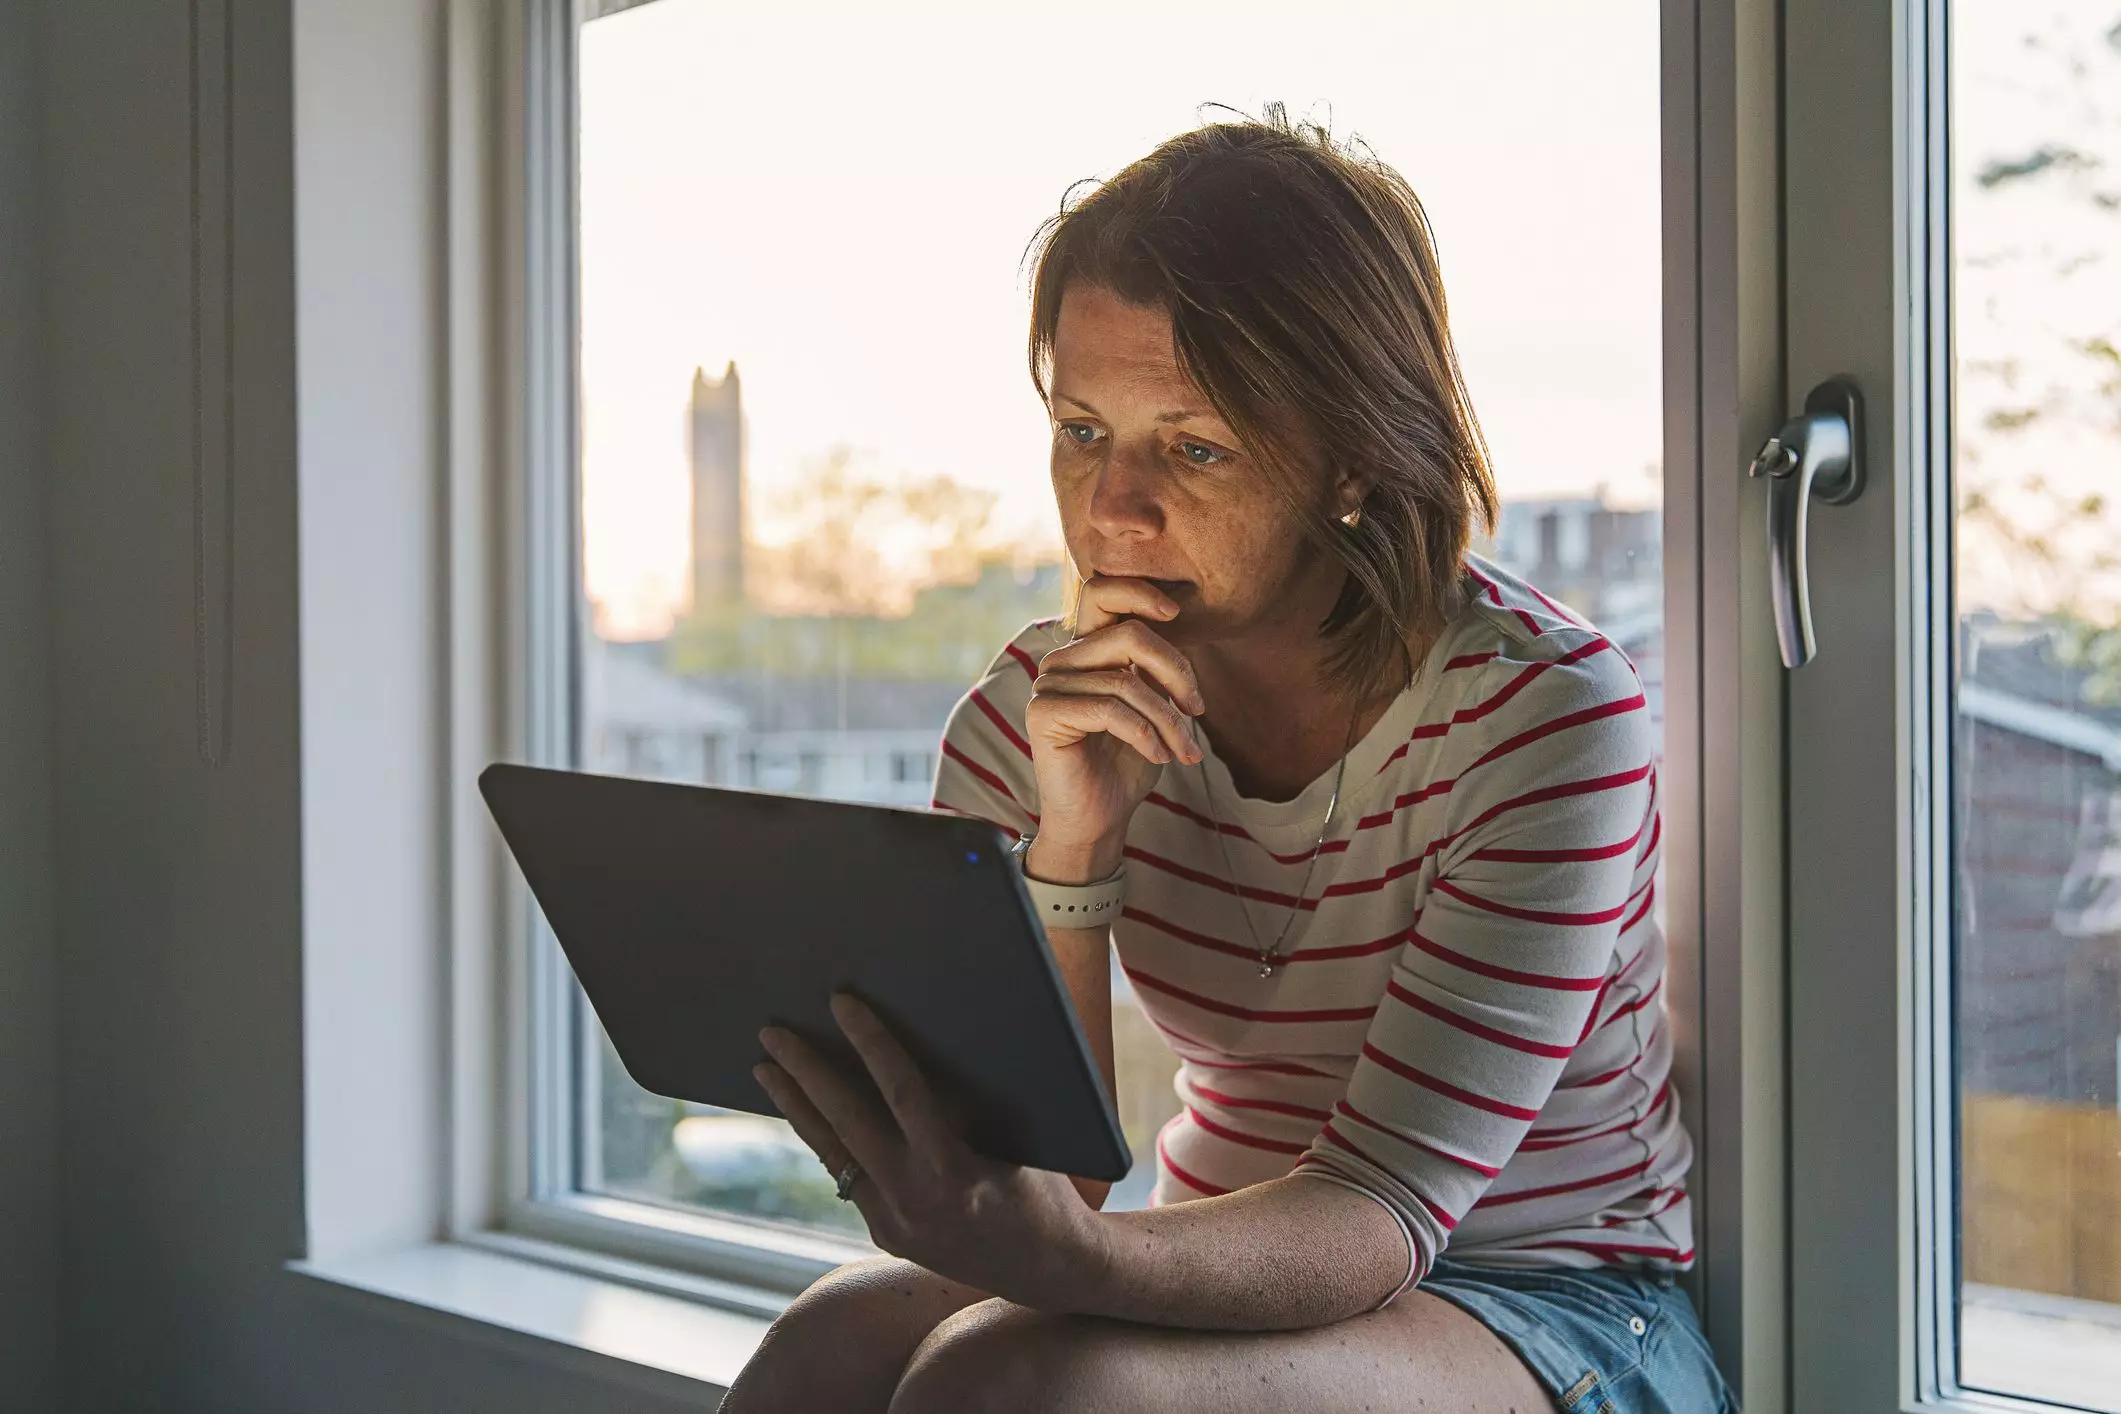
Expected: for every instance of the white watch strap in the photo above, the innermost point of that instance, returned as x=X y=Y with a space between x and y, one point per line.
x=1073 y=905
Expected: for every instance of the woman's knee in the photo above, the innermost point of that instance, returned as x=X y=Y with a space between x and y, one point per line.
x=843 y=1342
x=1000 y=1358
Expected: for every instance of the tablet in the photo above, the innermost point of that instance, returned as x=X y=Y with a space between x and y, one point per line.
x=694 y=915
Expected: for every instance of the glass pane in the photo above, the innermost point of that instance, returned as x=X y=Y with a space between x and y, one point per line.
x=815 y=494
x=2036 y=193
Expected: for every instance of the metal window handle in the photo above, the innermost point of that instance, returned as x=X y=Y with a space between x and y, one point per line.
x=1818 y=453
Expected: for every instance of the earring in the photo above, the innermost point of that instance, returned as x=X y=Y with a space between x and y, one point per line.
x=1353 y=519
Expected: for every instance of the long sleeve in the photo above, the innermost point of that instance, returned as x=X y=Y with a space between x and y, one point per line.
x=1546 y=852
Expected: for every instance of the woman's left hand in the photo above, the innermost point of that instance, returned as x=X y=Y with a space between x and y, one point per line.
x=1024 y=1234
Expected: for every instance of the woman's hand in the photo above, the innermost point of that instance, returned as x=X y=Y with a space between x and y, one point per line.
x=1019 y=1233
x=1107 y=713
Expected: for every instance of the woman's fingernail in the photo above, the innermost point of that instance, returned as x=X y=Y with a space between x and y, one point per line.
x=771 y=1040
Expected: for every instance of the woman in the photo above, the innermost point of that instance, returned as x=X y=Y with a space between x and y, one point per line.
x=1385 y=824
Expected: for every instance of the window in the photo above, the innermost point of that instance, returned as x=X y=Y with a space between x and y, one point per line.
x=2035 y=192
x=1955 y=980
x=813 y=497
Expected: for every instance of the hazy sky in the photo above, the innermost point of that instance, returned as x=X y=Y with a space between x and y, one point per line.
x=838 y=197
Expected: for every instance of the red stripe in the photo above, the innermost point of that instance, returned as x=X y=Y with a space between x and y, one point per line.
x=1238 y=1136
x=1576 y=1134
x=1270 y=1067
x=1656 y=824
x=1617 y=1249
x=1531 y=915
x=1173 y=1034
x=1473 y=1028
x=1239 y=1102
x=1443 y=1219
x=1540 y=1146
x=1463 y=1162
x=1198 y=1185
x=1591 y=786
x=1620 y=707
x=1446 y=1088
x=1470 y=660
x=1506 y=974
x=1429 y=731
x=1648 y=901
x=1195 y=876
x=1243 y=1013
x=1495 y=595
x=1590 y=1082
x=1636 y=1005
x=951 y=751
x=1497 y=1200
x=1559 y=612
x=1672 y=1197
x=1025 y=661
x=1016 y=738
x=1560 y=856
x=1229 y=949
x=1361 y=886
x=1187 y=813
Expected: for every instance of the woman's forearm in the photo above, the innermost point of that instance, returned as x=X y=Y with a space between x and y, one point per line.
x=1083 y=956
x=1283 y=1255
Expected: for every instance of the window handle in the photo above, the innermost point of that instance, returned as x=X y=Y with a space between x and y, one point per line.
x=1818 y=453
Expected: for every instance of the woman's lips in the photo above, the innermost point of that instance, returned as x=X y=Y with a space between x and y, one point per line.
x=1168 y=586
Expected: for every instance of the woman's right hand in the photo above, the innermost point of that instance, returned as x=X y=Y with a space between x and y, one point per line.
x=1107 y=713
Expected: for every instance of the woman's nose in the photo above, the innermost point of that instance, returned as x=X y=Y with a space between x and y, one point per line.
x=1123 y=502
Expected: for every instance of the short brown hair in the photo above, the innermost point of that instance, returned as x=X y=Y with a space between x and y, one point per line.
x=1301 y=280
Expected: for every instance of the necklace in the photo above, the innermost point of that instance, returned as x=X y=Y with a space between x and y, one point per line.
x=1270 y=957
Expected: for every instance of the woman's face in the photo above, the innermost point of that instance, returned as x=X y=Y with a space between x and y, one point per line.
x=1152 y=484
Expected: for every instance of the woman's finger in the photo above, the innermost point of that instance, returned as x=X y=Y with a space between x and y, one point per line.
x=1132 y=644
x=898 y=1077
x=1174 y=728
x=867 y=1129
x=802 y=1116
x=1106 y=599
x=1068 y=720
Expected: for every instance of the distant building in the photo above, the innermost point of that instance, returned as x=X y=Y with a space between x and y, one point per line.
x=716 y=444
x=2038 y=875
x=1606 y=564
x=640 y=720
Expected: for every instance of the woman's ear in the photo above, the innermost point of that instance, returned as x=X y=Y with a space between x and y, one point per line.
x=1349 y=490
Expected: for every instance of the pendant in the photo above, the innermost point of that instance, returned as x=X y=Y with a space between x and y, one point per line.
x=1268 y=966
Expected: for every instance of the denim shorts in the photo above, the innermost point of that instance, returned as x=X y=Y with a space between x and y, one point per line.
x=1606 y=1341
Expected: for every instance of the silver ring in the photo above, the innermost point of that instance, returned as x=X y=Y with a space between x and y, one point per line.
x=849 y=1172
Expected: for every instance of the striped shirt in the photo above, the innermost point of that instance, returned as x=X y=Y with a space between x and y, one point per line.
x=1470 y=1026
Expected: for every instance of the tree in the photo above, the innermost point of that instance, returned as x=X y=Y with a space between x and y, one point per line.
x=2038 y=451
x=855 y=543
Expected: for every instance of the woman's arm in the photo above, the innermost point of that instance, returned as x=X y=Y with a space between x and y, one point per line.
x=1287 y=1254
x=1084 y=958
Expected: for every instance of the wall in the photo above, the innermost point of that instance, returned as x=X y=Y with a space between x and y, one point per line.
x=28 y=960
x=181 y=887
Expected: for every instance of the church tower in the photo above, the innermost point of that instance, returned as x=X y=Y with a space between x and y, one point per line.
x=717 y=447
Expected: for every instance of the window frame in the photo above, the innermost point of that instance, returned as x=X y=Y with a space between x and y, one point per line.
x=1874 y=1121
x=1721 y=341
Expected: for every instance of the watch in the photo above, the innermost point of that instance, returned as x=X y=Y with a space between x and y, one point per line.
x=1072 y=905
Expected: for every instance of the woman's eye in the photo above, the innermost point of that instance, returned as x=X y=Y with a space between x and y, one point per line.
x=1199 y=455
x=1082 y=434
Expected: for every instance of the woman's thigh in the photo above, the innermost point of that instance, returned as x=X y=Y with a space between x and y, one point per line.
x=1421 y=1353
x=843 y=1343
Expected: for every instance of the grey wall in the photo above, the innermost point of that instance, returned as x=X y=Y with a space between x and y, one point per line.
x=28 y=958
x=179 y=883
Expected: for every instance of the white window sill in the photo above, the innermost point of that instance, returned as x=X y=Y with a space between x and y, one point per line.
x=686 y=1346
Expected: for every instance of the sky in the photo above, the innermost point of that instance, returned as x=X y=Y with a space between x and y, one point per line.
x=838 y=197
